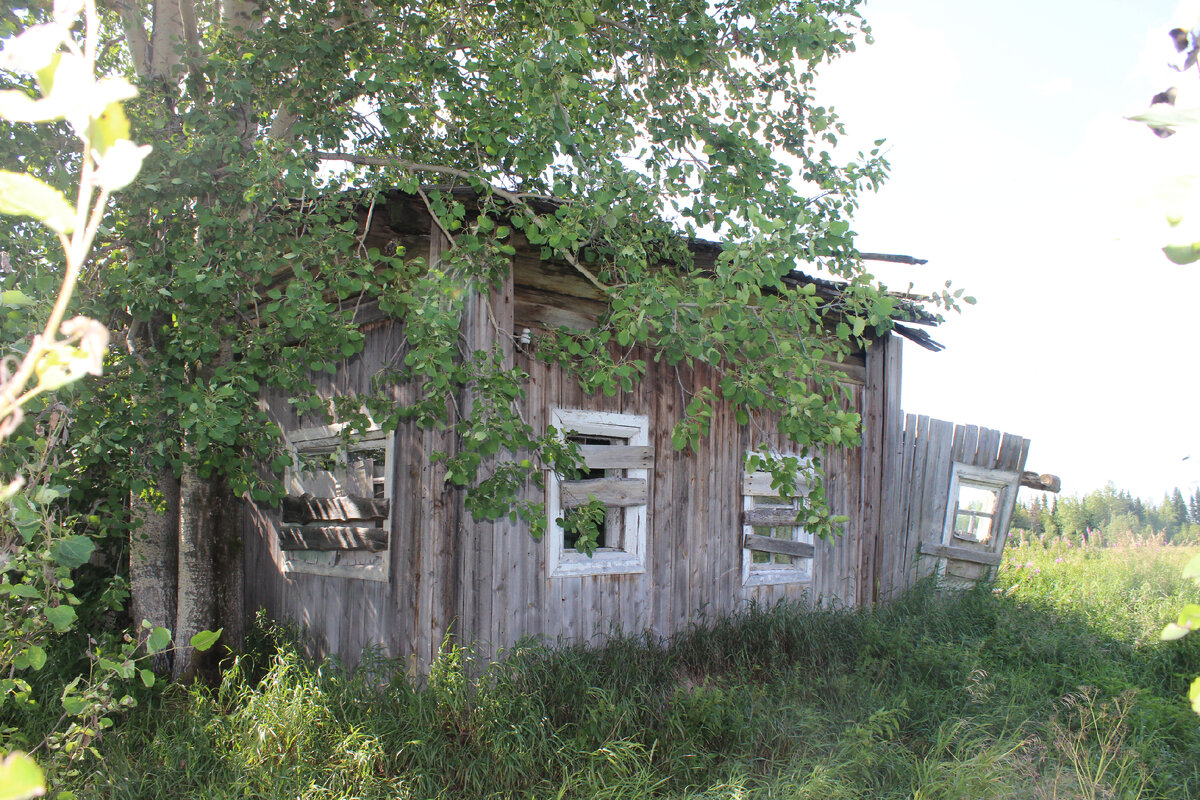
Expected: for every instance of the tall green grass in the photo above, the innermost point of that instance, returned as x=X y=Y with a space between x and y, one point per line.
x=1052 y=685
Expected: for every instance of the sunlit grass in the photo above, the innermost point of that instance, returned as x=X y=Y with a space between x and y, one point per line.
x=1052 y=685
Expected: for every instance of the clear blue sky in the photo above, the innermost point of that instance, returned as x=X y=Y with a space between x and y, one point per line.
x=1016 y=175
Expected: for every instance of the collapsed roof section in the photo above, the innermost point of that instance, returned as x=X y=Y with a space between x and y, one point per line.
x=403 y=219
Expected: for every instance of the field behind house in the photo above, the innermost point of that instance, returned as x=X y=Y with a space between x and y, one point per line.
x=1051 y=684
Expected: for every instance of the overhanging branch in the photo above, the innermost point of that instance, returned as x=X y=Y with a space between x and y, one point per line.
x=516 y=198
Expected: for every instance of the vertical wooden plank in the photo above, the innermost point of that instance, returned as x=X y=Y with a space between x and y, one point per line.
x=408 y=526
x=333 y=609
x=970 y=444
x=684 y=510
x=437 y=520
x=664 y=511
x=1013 y=453
x=936 y=485
x=890 y=543
x=903 y=565
x=872 y=466
x=916 y=497
x=704 y=461
x=1010 y=450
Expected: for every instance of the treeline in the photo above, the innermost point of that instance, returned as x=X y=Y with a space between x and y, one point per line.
x=1113 y=514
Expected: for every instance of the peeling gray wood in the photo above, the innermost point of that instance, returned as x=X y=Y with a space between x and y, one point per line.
x=787 y=547
x=617 y=456
x=961 y=554
x=332 y=537
x=770 y=517
x=307 y=508
x=614 y=492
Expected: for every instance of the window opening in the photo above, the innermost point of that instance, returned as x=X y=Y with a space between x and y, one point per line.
x=775 y=548
x=585 y=519
x=336 y=518
x=597 y=518
x=975 y=512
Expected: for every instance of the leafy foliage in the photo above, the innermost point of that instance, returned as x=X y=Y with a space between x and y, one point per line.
x=39 y=549
x=236 y=264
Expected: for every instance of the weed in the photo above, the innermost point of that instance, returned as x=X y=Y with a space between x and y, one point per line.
x=934 y=697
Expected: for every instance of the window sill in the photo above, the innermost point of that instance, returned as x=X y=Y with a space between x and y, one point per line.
x=775 y=577
x=605 y=561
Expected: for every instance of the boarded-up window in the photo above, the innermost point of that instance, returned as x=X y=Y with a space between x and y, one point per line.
x=608 y=503
x=775 y=549
x=337 y=513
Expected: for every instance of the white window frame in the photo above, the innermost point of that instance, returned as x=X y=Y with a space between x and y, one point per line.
x=630 y=558
x=325 y=439
x=758 y=484
x=1002 y=483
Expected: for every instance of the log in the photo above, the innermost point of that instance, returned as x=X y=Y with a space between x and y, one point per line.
x=332 y=537
x=1044 y=482
x=612 y=492
x=307 y=508
x=787 y=547
x=961 y=554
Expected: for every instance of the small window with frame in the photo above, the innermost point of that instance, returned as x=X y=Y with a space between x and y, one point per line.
x=337 y=513
x=596 y=524
x=978 y=505
x=775 y=548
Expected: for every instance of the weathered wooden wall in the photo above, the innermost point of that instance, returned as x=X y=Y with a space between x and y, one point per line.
x=487 y=582
x=916 y=498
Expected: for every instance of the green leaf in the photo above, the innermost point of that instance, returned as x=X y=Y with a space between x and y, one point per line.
x=1189 y=617
x=23 y=195
x=205 y=639
x=13 y=298
x=74 y=705
x=1194 y=695
x=61 y=617
x=158 y=639
x=24 y=590
x=36 y=656
x=20 y=778
x=47 y=494
x=147 y=677
x=1161 y=115
x=108 y=127
x=1183 y=253
x=1192 y=570
x=1172 y=632
x=73 y=551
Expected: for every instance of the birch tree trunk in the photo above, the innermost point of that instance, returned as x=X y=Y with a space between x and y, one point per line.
x=153 y=555
x=196 y=601
x=229 y=565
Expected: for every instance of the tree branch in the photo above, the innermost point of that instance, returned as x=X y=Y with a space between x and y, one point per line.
x=135 y=37
x=516 y=198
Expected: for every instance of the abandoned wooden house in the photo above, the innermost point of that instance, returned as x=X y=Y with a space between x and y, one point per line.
x=396 y=561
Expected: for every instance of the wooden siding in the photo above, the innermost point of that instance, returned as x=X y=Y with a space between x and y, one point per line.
x=488 y=583
x=916 y=501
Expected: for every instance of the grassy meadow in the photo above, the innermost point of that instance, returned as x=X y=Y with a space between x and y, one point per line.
x=1049 y=684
